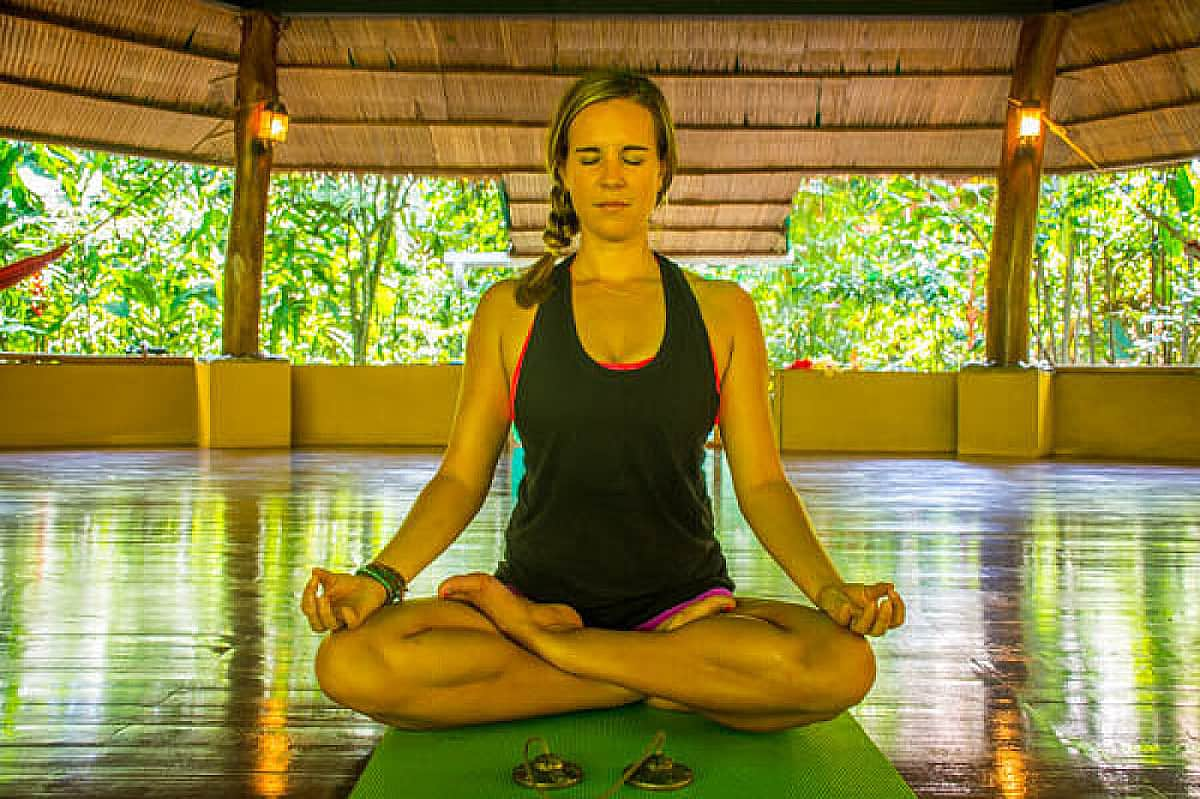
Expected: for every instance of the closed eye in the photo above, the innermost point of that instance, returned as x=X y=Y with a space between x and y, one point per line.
x=630 y=161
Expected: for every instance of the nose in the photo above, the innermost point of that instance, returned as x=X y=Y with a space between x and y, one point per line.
x=612 y=171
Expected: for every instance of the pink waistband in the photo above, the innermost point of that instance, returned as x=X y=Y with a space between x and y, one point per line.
x=660 y=618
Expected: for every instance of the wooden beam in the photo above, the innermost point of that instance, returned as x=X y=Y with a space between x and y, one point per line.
x=567 y=74
x=666 y=8
x=1167 y=159
x=1127 y=59
x=705 y=127
x=1170 y=105
x=1019 y=184
x=19 y=134
x=211 y=113
x=252 y=181
x=475 y=171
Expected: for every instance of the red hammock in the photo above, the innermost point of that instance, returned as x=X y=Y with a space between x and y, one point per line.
x=13 y=274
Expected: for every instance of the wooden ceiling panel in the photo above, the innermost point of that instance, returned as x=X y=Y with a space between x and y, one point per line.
x=759 y=103
x=1115 y=89
x=192 y=25
x=532 y=216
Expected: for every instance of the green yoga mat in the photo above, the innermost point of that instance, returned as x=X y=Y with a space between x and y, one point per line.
x=821 y=761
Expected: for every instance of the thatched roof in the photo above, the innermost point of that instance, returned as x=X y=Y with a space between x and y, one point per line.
x=759 y=103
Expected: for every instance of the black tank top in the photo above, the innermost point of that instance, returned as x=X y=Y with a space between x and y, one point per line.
x=613 y=516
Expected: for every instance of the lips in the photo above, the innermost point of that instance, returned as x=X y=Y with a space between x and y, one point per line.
x=613 y=205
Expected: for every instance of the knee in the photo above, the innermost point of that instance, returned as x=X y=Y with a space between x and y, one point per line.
x=343 y=667
x=839 y=676
x=856 y=666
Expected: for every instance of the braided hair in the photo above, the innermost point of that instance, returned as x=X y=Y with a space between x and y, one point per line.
x=534 y=284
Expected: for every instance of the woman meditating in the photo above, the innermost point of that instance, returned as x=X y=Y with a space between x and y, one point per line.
x=614 y=364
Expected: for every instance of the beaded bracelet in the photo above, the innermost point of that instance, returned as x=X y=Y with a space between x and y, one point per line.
x=389 y=578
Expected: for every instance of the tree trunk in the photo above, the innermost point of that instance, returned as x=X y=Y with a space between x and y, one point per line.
x=1091 y=321
x=1110 y=310
x=1185 y=339
x=355 y=315
x=1040 y=293
x=1185 y=354
x=377 y=235
x=1087 y=288
x=1163 y=287
x=1068 y=298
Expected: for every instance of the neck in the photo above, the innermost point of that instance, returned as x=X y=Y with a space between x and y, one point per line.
x=614 y=261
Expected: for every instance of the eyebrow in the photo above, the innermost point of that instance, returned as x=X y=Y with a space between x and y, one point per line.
x=594 y=149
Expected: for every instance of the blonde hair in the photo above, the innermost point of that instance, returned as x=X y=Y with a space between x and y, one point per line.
x=534 y=285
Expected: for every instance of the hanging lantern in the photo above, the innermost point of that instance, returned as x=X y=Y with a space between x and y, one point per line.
x=1030 y=123
x=272 y=123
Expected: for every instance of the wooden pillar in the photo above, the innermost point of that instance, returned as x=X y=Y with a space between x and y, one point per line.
x=252 y=179
x=1017 y=193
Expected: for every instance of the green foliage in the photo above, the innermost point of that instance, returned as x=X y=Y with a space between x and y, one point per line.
x=148 y=277
x=336 y=292
x=1113 y=283
x=887 y=273
x=1181 y=189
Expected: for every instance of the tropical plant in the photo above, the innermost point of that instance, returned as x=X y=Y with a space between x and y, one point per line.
x=886 y=273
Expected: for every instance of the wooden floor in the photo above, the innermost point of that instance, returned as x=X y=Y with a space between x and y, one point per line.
x=151 y=644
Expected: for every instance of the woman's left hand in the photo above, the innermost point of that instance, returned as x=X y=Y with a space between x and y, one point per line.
x=859 y=607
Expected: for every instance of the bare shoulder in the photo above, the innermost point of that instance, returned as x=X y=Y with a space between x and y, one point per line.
x=502 y=292
x=718 y=301
x=717 y=297
x=508 y=321
x=499 y=303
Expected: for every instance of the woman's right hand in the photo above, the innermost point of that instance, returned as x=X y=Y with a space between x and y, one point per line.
x=334 y=600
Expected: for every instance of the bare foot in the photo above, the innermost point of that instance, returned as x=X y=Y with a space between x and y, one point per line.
x=710 y=606
x=516 y=616
x=554 y=616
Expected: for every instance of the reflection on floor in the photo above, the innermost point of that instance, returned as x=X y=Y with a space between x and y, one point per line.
x=150 y=637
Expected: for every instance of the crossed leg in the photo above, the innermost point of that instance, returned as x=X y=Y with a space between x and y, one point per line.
x=435 y=664
x=781 y=614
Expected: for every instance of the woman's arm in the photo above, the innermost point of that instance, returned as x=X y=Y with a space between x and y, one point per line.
x=456 y=493
x=442 y=511
x=767 y=499
x=781 y=522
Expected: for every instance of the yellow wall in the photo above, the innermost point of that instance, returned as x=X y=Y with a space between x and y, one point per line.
x=865 y=411
x=1127 y=413
x=373 y=405
x=1005 y=412
x=97 y=405
x=244 y=403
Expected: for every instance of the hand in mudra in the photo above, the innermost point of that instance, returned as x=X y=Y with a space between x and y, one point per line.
x=333 y=600
x=859 y=608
